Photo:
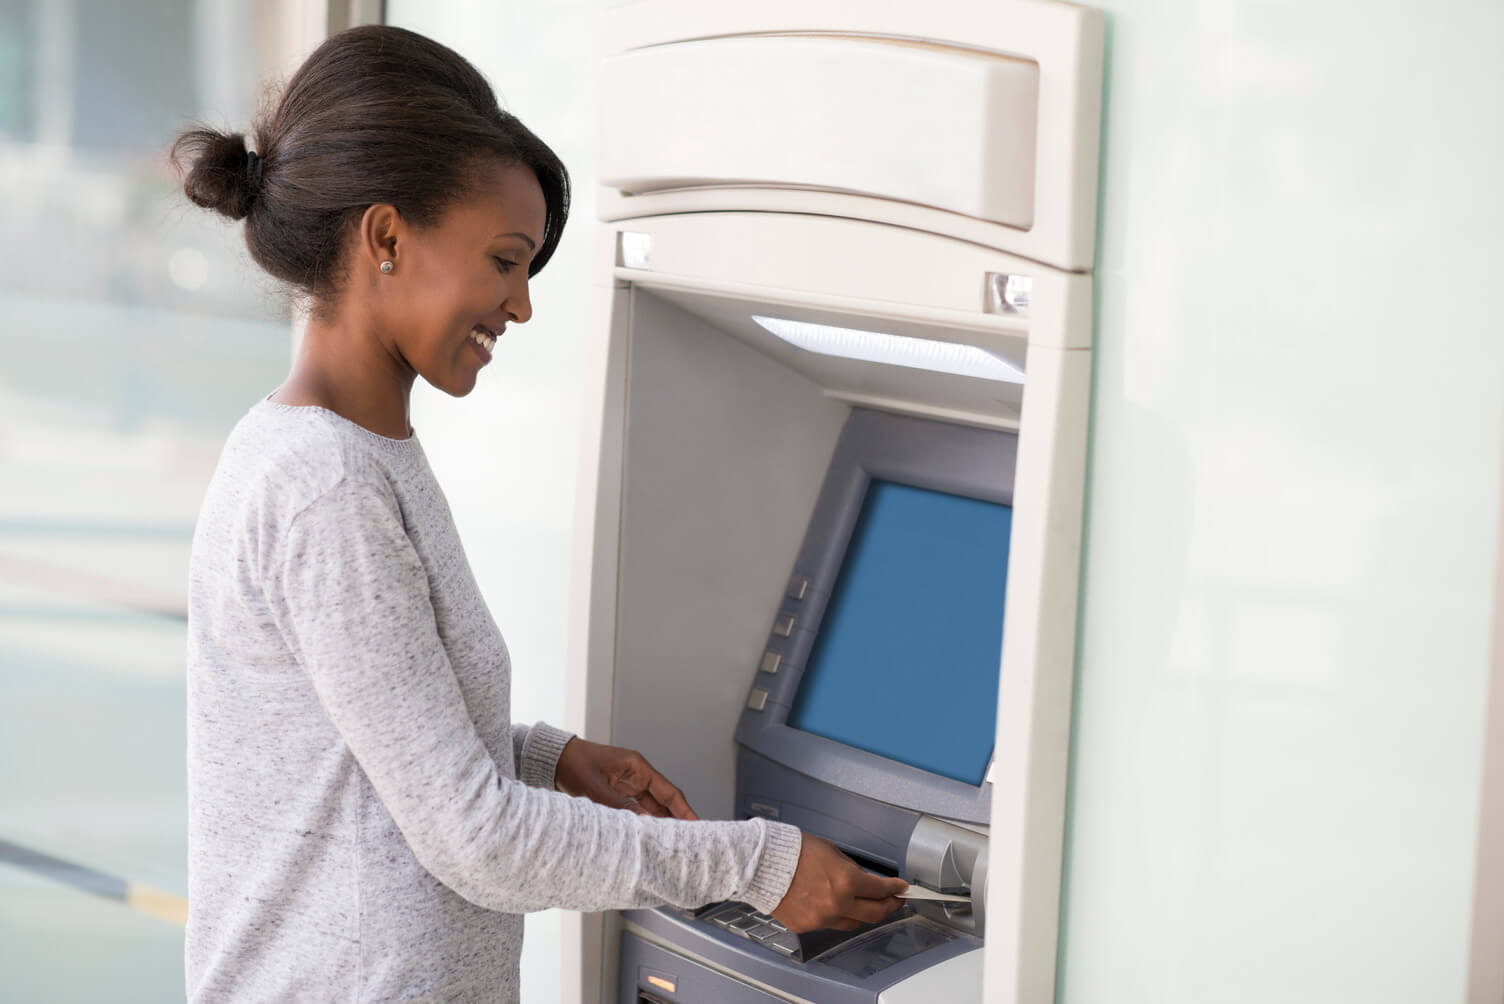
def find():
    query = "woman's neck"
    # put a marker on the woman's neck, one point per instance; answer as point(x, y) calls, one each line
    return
point(347, 369)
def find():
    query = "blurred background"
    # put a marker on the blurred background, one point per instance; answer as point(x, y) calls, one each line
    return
point(134, 332)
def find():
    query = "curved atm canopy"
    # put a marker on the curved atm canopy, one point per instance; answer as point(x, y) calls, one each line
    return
point(946, 128)
point(977, 121)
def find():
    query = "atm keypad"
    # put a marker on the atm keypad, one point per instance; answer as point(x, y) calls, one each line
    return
point(741, 919)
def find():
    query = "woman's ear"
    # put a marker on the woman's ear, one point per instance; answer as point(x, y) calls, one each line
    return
point(380, 228)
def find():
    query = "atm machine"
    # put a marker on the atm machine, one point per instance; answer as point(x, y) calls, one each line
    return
point(830, 513)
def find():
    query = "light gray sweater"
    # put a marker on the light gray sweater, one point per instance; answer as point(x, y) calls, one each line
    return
point(365, 822)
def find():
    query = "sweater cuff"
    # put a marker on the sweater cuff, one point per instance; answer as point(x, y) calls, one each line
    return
point(775, 869)
point(540, 755)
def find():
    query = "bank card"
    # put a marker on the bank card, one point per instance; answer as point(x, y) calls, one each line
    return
point(920, 892)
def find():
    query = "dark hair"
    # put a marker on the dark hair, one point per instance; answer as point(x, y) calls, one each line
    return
point(376, 114)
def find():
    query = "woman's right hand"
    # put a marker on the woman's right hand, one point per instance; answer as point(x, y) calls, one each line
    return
point(829, 890)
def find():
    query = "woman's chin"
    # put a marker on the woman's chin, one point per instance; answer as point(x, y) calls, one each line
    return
point(455, 384)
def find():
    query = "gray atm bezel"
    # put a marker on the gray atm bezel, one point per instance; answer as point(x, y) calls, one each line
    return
point(960, 460)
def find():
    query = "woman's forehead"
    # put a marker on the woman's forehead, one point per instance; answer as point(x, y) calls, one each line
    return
point(503, 200)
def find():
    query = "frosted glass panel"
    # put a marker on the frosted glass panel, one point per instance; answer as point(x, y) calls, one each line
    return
point(132, 337)
point(1293, 497)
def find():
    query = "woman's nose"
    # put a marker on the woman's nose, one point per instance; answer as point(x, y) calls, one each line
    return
point(519, 306)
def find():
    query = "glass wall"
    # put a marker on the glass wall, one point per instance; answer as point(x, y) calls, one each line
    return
point(134, 331)
point(1292, 505)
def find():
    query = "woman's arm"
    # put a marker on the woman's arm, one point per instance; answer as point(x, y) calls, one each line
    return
point(352, 598)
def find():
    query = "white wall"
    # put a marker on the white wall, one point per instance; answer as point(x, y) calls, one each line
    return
point(506, 454)
point(1293, 504)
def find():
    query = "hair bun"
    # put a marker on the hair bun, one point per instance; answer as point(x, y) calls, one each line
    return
point(376, 115)
point(218, 175)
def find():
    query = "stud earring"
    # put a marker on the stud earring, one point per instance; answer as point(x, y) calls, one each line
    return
point(387, 267)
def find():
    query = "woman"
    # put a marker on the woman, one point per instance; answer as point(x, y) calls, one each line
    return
point(365, 822)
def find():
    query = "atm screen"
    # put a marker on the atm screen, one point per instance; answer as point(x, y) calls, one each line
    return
point(906, 662)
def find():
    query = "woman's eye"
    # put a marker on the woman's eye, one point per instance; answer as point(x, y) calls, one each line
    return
point(504, 265)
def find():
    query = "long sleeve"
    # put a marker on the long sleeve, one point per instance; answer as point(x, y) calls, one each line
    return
point(352, 598)
point(536, 750)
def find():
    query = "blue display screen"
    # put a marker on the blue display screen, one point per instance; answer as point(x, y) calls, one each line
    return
point(906, 663)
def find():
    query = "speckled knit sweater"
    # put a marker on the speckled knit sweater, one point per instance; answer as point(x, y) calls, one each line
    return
point(365, 822)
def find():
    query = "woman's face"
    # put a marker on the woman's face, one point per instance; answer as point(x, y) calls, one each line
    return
point(465, 279)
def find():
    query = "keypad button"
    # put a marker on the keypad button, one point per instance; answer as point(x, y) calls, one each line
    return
point(727, 912)
point(785, 943)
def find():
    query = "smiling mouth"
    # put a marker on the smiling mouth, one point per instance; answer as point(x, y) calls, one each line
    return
point(484, 337)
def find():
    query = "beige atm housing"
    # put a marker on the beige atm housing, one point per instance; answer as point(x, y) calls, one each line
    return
point(927, 173)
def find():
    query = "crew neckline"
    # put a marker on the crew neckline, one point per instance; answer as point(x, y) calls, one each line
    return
point(387, 442)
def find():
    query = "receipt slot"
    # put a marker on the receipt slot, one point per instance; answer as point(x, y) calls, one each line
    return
point(829, 521)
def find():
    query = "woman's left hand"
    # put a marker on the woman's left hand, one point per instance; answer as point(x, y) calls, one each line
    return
point(617, 777)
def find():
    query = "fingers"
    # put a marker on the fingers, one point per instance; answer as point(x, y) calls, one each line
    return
point(611, 798)
point(870, 898)
point(651, 806)
point(619, 778)
point(870, 886)
point(870, 911)
point(671, 798)
point(831, 891)
point(649, 785)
